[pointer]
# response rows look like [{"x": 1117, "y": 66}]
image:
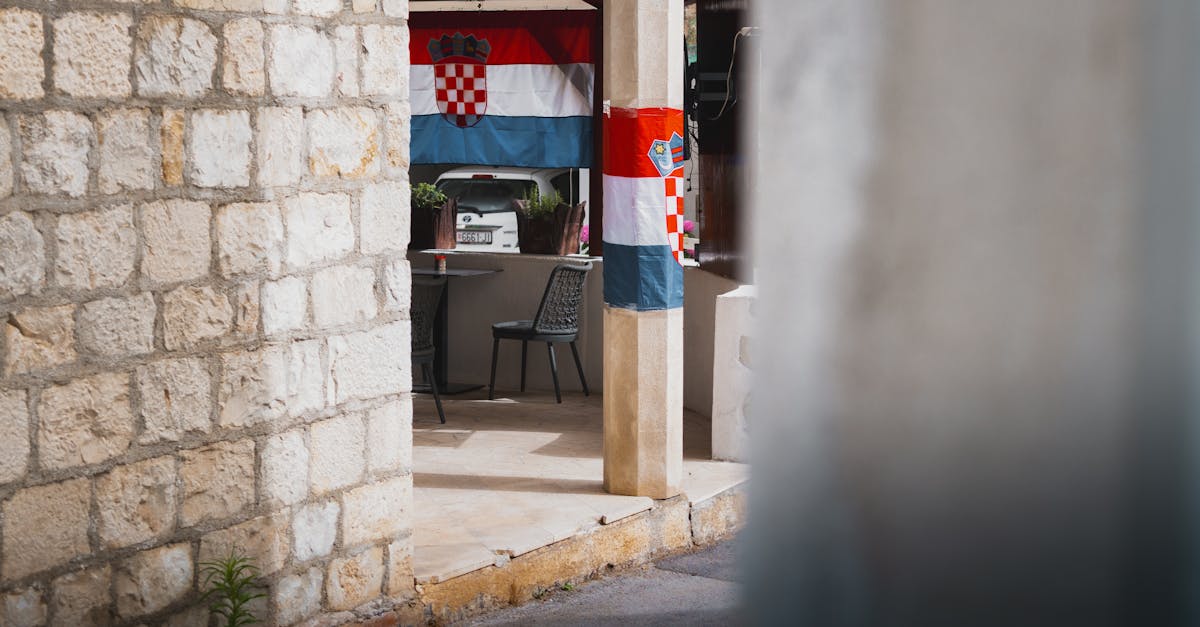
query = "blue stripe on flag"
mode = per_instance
[
  {"x": 498, "y": 140},
  {"x": 642, "y": 278}
]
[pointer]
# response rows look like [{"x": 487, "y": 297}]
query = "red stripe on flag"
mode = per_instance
[
  {"x": 546, "y": 37},
  {"x": 629, "y": 134}
]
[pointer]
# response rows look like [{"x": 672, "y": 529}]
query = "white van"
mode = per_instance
[{"x": 486, "y": 218}]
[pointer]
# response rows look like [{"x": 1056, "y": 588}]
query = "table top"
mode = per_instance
[{"x": 453, "y": 272}]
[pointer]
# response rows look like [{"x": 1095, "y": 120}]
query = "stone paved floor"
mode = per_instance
[{"x": 502, "y": 478}]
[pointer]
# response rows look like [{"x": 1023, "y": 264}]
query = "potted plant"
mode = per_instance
[
  {"x": 434, "y": 217},
  {"x": 546, "y": 225}
]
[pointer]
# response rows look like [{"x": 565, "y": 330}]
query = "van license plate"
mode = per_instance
[{"x": 474, "y": 237}]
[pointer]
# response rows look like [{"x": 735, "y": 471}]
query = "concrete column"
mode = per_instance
[{"x": 643, "y": 215}]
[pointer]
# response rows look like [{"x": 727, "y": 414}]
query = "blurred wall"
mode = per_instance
[{"x": 971, "y": 410}]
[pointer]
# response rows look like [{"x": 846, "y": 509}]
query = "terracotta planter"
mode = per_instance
[
  {"x": 556, "y": 234},
  {"x": 434, "y": 228}
]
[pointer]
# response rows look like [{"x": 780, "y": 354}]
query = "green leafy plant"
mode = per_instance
[
  {"x": 229, "y": 584},
  {"x": 567, "y": 587},
  {"x": 538, "y": 205},
  {"x": 427, "y": 197}
]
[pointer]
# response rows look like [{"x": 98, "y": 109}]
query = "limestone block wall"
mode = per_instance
[{"x": 203, "y": 306}]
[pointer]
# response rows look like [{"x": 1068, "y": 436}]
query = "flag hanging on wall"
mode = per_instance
[{"x": 502, "y": 88}]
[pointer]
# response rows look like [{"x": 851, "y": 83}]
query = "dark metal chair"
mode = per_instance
[
  {"x": 426, "y": 296},
  {"x": 557, "y": 320}
]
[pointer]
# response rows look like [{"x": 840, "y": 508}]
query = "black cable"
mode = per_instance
[{"x": 728, "y": 80}]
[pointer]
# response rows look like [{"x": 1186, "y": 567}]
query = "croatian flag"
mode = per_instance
[
  {"x": 502, "y": 88},
  {"x": 643, "y": 208}
]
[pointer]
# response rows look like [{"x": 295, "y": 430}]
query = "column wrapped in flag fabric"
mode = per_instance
[
  {"x": 643, "y": 215},
  {"x": 502, "y": 88}
]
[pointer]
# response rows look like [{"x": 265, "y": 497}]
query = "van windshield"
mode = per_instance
[{"x": 485, "y": 195}]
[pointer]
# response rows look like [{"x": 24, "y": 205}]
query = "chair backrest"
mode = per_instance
[
  {"x": 559, "y": 309},
  {"x": 426, "y": 295}
]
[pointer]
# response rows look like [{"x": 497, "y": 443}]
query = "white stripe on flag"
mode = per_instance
[
  {"x": 542, "y": 91},
  {"x": 635, "y": 211}
]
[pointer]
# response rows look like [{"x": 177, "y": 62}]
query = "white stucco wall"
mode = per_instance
[
  {"x": 733, "y": 374},
  {"x": 700, "y": 291}
]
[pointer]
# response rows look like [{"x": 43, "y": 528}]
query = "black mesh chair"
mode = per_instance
[
  {"x": 557, "y": 320},
  {"x": 426, "y": 295}
]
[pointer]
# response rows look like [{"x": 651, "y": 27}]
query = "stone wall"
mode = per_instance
[{"x": 203, "y": 299}]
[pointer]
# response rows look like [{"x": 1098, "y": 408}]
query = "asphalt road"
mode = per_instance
[{"x": 699, "y": 588}]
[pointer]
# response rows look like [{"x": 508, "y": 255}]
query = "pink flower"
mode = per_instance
[
  {"x": 583, "y": 234},
  {"x": 689, "y": 227}
]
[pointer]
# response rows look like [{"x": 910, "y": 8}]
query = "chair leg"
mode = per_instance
[
  {"x": 524, "y": 351},
  {"x": 579, "y": 367},
  {"x": 554, "y": 372},
  {"x": 427, "y": 368},
  {"x": 492, "y": 383}
]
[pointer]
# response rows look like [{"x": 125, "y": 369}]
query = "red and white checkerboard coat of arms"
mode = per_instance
[
  {"x": 460, "y": 77},
  {"x": 674, "y": 206},
  {"x": 667, "y": 157}
]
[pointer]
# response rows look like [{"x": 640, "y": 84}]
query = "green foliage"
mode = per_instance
[
  {"x": 540, "y": 205},
  {"x": 230, "y": 583},
  {"x": 540, "y": 593},
  {"x": 427, "y": 197}
]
